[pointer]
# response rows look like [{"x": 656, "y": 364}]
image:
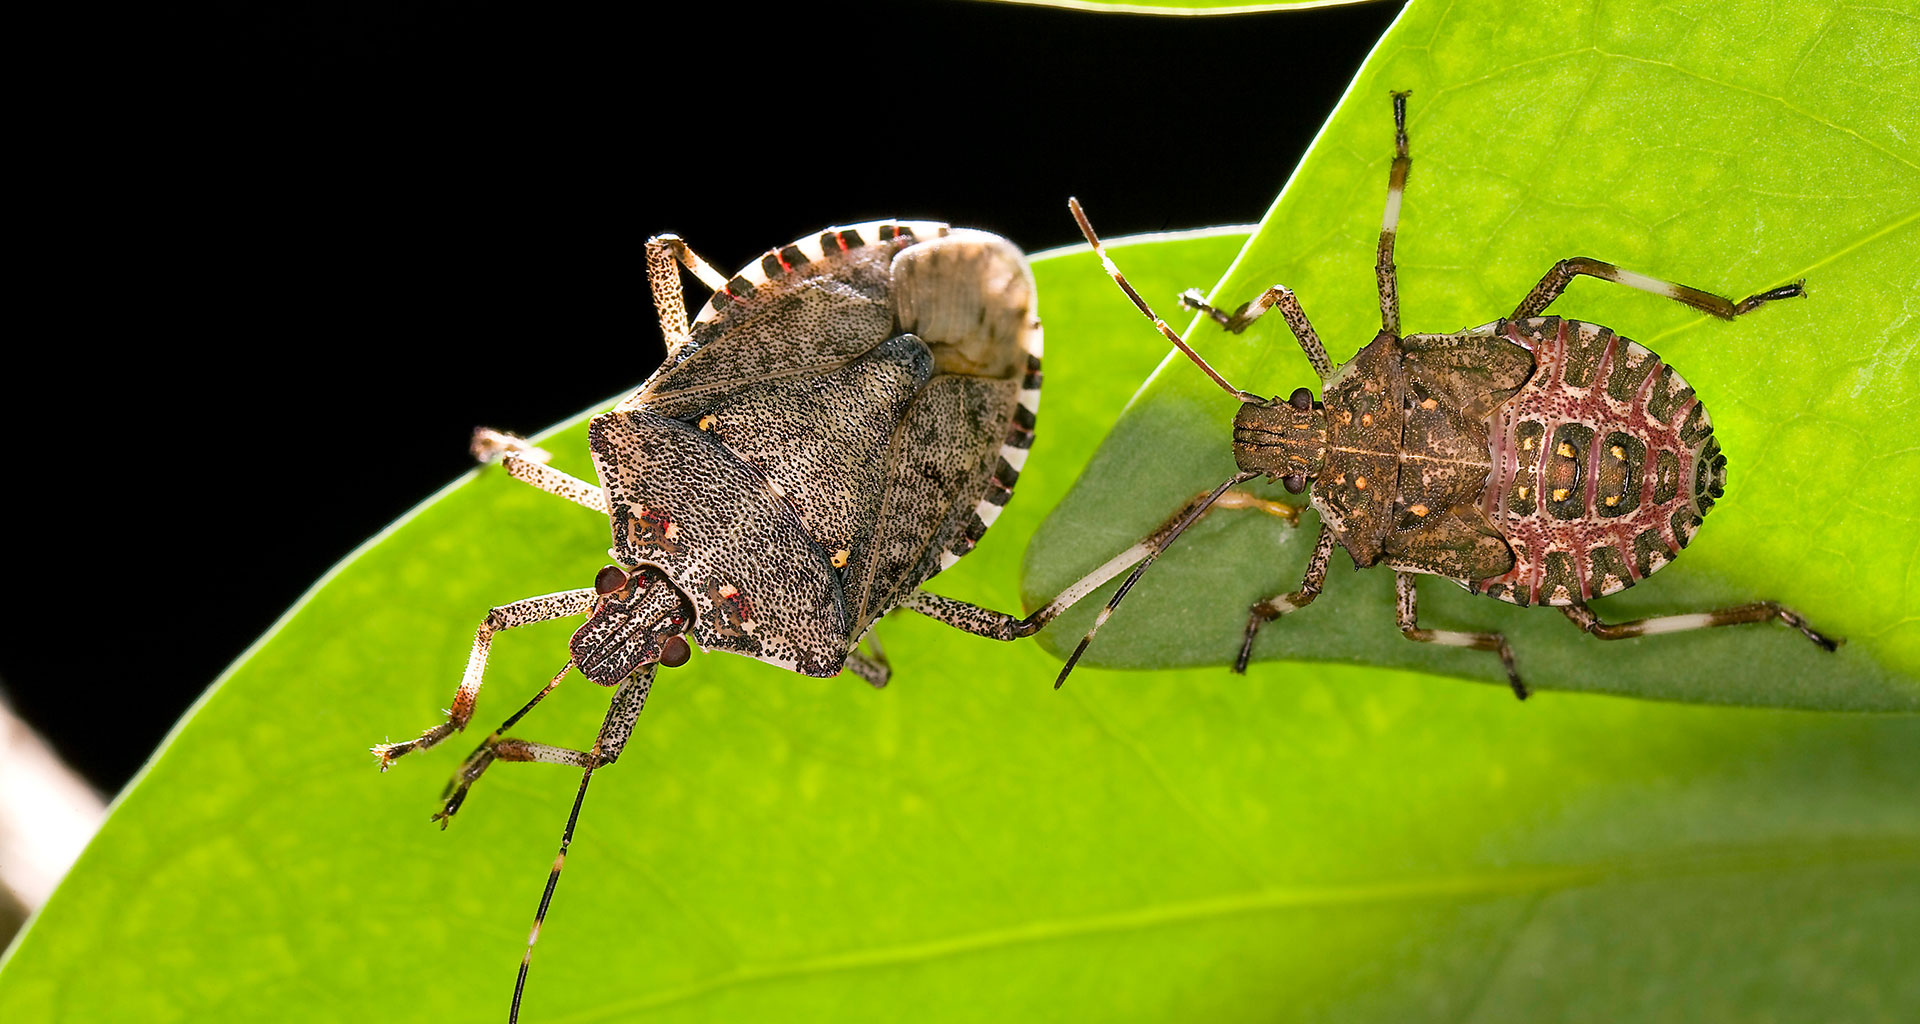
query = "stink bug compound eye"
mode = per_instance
[
  {"x": 845, "y": 418},
  {"x": 1534, "y": 459}
]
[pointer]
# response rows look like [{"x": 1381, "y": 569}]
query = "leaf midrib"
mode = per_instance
[{"x": 1540, "y": 879}]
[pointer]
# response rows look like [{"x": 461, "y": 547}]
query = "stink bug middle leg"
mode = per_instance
[{"x": 1534, "y": 459}]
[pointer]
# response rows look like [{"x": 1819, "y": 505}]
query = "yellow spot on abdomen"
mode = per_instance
[
  {"x": 709, "y": 421},
  {"x": 1560, "y": 493},
  {"x": 1565, "y": 450}
]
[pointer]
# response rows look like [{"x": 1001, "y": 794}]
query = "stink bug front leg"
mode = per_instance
[
  {"x": 520, "y": 613},
  {"x": 627, "y": 704},
  {"x": 528, "y": 464},
  {"x": 1277, "y": 297}
]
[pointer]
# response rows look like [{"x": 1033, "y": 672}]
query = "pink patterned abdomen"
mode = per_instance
[{"x": 1603, "y": 465}]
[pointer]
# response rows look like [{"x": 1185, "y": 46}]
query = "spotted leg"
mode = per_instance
[
  {"x": 663, "y": 252},
  {"x": 871, "y": 667},
  {"x": 520, "y": 613},
  {"x": 1272, "y": 608},
  {"x": 1759, "y": 611},
  {"x": 628, "y": 701},
  {"x": 1280, "y": 297},
  {"x": 1408, "y": 608},
  {"x": 1565, "y": 271},
  {"x": 528, "y": 464}
]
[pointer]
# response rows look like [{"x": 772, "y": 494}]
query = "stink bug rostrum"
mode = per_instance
[
  {"x": 843, "y": 420},
  {"x": 1534, "y": 459}
]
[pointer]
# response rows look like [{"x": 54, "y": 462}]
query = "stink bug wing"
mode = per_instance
[
  {"x": 952, "y": 464},
  {"x": 1457, "y": 542},
  {"x": 939, "y": 474},
  {"x": 810, "y": 305},
  {"x": 823, "y": 441},
  {"x": 1471, "y": 372},
  {"x": 760, "y": 584}
]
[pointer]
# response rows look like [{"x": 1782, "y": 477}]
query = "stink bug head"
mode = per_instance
[
  {"x": 638, "y": 619},
  {"x": 1283, "y": 440}
]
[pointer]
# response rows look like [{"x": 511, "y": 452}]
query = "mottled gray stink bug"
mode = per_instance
[
  {"x": 1535, "y": 459},
  {"x": 843, "y": 420}
]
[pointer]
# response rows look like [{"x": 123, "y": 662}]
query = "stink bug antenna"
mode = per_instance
[
  {"x": 1113, "y": 271},
  {"x": 1155, "y": 544},
  {"x": 546, "y": 897}
]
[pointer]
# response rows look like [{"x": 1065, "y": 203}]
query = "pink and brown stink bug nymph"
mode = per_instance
[{"x": 1534, "y": 459}]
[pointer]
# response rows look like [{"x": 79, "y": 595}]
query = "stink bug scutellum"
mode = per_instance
[
  {"x": 1534, "y": 459},
  {"x": 843, "y": 420}
]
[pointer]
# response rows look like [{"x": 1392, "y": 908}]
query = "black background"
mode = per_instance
[{"x": 283, "y": 257}]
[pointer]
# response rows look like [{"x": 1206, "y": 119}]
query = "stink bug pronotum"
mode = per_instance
[
  {"x": 1535, "y": 459},
  {"x": 843, "y": 420}
]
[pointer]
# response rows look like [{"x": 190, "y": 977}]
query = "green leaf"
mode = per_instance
[
  {"x": 1342, "y": 843},
  {"x": 1730, "y": 147}
]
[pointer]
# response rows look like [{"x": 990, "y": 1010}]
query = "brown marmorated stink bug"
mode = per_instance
[
  {"x": 843, "y": 420},
  {"x": 1535, "y": 459}
]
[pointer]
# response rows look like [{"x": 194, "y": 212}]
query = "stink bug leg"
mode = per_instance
[
  {"x": 1535, "y": 459},
  {"x": 507, "y": 616}
]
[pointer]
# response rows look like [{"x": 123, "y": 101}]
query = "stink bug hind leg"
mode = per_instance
[
  {"x": 1759, "y": 611},
  {"x": 1563, "y": 273}
]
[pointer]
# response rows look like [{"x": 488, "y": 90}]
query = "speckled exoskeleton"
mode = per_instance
[
  {"x": 1534, "y": 459},
  {"x": 844, "y": 419}
]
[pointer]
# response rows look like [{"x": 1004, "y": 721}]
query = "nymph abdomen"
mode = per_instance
[{"x": 1603, "y": 465}]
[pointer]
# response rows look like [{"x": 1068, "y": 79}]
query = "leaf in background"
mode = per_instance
[
  {"x": 1342, "y": 844},
  {"x": 1730, "y": 147}
]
